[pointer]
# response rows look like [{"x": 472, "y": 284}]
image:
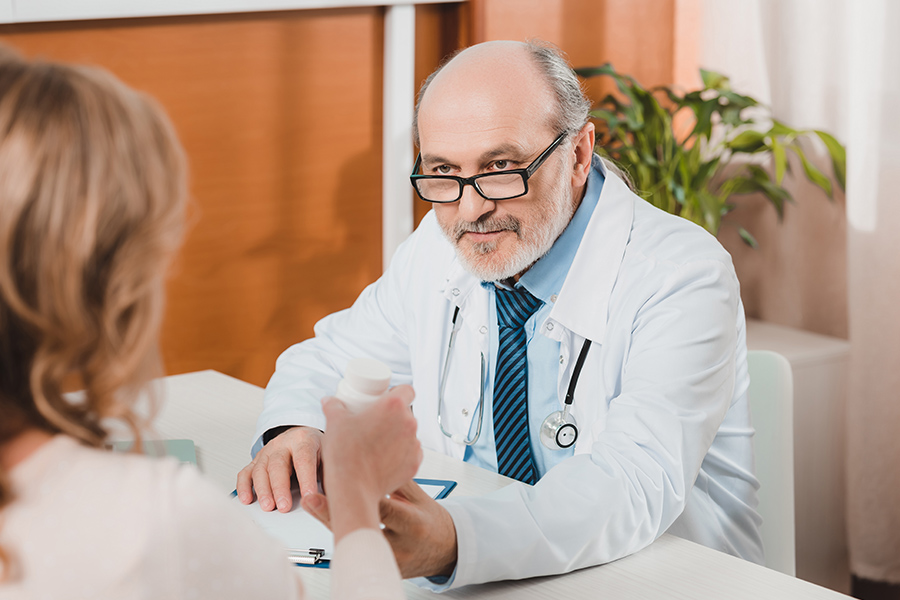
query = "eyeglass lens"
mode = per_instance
[{"x": 494, "y": 186}]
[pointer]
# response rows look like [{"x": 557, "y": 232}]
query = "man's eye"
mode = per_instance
[
  {"x": 443, "y": 170},
  {"x": 501, "y": 165}
]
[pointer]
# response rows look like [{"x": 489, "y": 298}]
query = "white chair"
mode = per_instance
[{"x": 771, "y": 398}]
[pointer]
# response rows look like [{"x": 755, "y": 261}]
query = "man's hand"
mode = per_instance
[
  {"x": 421, "y": 532},
  {"x": 299, "y": 449}
]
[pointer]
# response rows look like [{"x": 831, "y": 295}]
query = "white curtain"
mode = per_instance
[{"x": 835, "y": 65}]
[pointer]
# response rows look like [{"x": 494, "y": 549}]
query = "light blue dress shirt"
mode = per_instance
[{"x": 543, "y": 280}]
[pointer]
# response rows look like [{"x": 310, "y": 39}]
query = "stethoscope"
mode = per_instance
[{"x": 558, "y": 431}]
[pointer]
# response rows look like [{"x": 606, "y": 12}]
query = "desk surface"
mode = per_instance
[{"x": 219, "y": 414}]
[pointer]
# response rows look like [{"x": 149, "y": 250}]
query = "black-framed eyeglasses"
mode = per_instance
[{"x": 503, "y": 185}]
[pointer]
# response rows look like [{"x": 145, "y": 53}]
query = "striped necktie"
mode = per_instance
[{"x": 514, "y": 456}]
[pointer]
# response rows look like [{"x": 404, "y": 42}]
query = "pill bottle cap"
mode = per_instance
[{"x": 368, "y": 376}]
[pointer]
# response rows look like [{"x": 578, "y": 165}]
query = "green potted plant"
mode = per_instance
[{"x": 694, "y": 174}]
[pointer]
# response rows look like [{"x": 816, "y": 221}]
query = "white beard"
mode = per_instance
[{"x": 533, "y": 243}]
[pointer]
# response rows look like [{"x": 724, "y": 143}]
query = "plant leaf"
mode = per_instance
[
  {"x": 780, "y": 129},
  {"x": 812, "y": 172},
  {"x": 747, "y": 141},
  {"x": 758, "y": 181},
  {"x": 703, "y": 113},
  {"x": 738, "y": 99},
  {"x": 687, "y": 175},
  {"x": 672, "y": 95},
  {"x": 714, "y": 81},
  {"x": 696, "y": 96},
  {"x": 838, "y": 157},
  {"x": 609, "y": 117},
  {"x": 780, "y": 158},
  {"x": 748, "y": 238},
  {"x": 712, "y": 210},
  {"x": 604, "y": 69}
]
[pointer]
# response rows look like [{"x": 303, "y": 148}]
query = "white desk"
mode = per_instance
[{"x": 219, "y": 414}]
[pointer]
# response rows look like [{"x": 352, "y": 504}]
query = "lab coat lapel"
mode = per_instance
[{"x": 583, "y": 303}]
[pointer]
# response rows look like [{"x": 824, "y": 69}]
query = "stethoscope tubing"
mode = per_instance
[{"x": 460, "y": 439}]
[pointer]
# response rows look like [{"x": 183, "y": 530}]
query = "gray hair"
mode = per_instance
[{"x": 573, "y": 105}]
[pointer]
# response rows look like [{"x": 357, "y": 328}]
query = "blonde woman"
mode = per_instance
[{"x": 92, "y": 194}]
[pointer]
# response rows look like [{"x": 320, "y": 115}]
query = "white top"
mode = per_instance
[
  {"x": 661, "y": 404},
  {"x": 86, "y": 523}
]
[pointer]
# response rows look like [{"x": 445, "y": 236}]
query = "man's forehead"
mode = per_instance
[
  {"x": 486, "y": 84},
  {"x": 482, "y": 105}
]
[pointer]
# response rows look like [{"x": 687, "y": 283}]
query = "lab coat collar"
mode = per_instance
[
  {"x": 583, "y": 303},
  {"x": 459, "y": 284}
]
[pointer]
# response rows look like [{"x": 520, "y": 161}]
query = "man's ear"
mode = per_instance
[{"x": 584, "y": 153}]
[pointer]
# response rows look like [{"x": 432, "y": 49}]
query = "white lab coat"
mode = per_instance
[{"x": 665, "y": 435}]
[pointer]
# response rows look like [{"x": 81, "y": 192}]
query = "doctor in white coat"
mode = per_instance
[{"x": 647, "y": 301}]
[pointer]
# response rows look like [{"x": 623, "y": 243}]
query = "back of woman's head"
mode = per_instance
[{"x": 92, "y": 190}]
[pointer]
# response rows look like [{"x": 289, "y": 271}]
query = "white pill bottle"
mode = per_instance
[{"x": 364, "y": 381}]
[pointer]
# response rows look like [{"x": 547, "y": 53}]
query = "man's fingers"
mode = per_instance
[
  {"x": 393, "y": 513},
  {"x": 245, "y": 484},
  {"x": 307, "y": 471},
  {"x": 402, "y": 507},
  {"x": 317, "y": 505},
  {"x": 411, "y": 492},
  {"x": 420, "y": 532},
  {"x": 260, "y": 476},
  {"x": 280, "y": 470}
]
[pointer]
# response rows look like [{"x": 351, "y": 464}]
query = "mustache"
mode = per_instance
[{"x": 505, "y": 223}]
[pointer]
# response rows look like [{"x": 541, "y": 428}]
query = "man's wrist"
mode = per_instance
[
  {"x": 450, "y": 567},
  {"x": 273, "y": 433}
]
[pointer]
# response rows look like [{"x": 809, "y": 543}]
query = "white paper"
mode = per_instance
[{"x": 298, "y": 530}]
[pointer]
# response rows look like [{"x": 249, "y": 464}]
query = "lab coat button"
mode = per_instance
[
  {"x": 549, "y": 326},
  {"x": 465, "y": 412},
  {"x": 483, "y": 329},
  {"x": 455, "y": 291}
]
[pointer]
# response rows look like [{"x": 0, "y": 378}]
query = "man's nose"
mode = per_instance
[{"x": 473, "y": 206}]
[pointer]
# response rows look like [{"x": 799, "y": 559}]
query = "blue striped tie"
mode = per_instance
[{"x": 514, "y": 456}]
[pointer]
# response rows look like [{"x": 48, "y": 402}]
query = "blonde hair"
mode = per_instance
[{"x": 92, "y": 194}]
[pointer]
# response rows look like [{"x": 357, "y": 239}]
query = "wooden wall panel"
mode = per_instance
[
  {"x": 280, "y": 114},
  {"x": 649, "y": 39}
]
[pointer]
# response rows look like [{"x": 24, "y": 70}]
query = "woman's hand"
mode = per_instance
[{"x": 366, "y": 455}]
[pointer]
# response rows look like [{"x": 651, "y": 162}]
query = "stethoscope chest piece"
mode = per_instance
[{"x": 559, "y": 430}]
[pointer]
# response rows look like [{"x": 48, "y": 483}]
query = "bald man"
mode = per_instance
[{"x": 556, "y": 328}]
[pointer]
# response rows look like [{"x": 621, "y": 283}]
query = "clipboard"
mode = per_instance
[{"x": 308, "y": 542}]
